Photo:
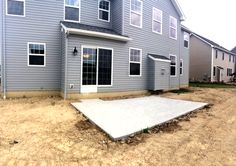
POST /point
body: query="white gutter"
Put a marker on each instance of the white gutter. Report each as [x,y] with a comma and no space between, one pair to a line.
[157,59]
[4,51]
[95,34]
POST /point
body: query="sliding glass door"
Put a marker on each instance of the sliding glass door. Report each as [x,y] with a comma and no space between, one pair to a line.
[96,68]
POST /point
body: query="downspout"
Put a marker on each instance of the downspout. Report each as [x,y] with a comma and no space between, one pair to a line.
[178,64]
[3,52]
[212,65]
[65,81]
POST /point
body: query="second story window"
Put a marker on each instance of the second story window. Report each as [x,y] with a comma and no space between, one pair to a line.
[230,58]
[16,7]
[136,9]
[104,10]
[186,40]
[223,56]
[157,21]
[216,54]
[72,10]
[173,28]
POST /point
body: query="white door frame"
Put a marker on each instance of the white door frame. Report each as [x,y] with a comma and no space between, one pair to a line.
[94,88]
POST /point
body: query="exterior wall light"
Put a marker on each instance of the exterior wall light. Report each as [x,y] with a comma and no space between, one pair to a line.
[75,51]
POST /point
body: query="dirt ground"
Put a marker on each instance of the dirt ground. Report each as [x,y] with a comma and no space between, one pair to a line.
[49,131]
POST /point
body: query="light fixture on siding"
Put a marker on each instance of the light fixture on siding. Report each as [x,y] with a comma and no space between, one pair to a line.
[75,51]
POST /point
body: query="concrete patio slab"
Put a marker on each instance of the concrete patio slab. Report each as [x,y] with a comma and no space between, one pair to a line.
[121,118]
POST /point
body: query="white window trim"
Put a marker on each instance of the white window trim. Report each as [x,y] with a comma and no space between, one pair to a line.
[132,48]
[15,14]
[77,7]
[153,20]
[44,55]
[187,40]
[141,15]
[112,60]
[181,60]
[174,65]
[109,11]
[171,17]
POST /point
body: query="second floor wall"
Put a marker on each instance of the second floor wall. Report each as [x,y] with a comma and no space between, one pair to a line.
[119,15]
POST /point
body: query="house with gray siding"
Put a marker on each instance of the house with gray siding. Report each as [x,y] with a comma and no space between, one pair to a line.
[210,62]
[80,48]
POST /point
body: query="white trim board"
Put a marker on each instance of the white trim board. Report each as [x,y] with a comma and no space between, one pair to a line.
[157,59]
[95,34]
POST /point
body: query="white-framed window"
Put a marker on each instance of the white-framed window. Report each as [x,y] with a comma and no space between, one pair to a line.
[181,67]
[233,58]
[229,71]
[214,71]
[72,10]
[136,13]
[135,62]
[36,54]
[186,40]
[173,28]
[156,20]
[104,10]
[223,56]
[229,57]
[15,7]
[173,65]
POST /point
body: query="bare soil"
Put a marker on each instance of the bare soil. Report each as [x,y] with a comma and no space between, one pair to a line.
[49,131]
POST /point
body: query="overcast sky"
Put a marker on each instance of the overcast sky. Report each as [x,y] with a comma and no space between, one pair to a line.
[213,19]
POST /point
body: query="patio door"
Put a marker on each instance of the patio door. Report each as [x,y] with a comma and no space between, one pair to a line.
[96,68]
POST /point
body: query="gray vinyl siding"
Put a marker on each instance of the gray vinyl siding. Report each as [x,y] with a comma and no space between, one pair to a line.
[1,36]
[121,79]
[200,59]
[184,54]
[116,8]
[89,14]
[41,24]
[150,42]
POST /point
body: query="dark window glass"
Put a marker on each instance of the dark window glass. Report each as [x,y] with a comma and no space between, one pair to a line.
[104,5]
[15,7]
[185,43]
[104,67]
[172,70]
[72,13]
[103,15]
[36,60]
[89,66]
[214,71]
[223,56]
[134,69]
[104,10]
[216,54]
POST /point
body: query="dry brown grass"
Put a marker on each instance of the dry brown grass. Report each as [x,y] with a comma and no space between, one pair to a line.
[50,132]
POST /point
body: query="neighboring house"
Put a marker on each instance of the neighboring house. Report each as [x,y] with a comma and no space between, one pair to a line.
[76,47]
[209,61]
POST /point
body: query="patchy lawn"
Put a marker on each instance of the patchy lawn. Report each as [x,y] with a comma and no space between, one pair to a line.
[212,85]
[49,131]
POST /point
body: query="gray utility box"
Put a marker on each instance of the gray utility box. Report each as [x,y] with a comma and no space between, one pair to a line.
[158,72]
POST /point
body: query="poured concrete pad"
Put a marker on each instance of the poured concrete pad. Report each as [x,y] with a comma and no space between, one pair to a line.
[121,118]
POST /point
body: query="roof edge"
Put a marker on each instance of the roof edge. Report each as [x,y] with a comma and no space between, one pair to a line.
[179,10]
[95,34]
